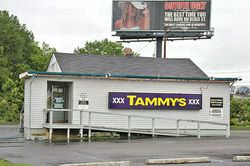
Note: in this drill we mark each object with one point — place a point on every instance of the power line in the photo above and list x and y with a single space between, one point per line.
139 50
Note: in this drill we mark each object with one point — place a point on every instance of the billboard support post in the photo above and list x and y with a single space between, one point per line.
159 47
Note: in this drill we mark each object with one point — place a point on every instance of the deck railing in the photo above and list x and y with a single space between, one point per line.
152 131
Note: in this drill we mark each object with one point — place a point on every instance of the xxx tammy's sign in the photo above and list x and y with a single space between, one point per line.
168 101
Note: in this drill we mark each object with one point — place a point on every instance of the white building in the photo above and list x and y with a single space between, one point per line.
124 94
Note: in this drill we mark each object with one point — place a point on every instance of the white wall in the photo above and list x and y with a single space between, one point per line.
98 89
53 65
98 99
38 88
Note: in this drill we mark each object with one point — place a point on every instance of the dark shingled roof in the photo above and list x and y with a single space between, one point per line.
171 67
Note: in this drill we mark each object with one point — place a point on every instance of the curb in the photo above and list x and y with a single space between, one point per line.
178 160
112 163
241 158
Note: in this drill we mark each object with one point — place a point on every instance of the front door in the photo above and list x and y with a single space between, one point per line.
59 101
59 98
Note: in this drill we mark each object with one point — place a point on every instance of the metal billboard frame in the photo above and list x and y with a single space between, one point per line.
164 35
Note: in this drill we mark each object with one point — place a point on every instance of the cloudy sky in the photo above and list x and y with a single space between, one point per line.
67 24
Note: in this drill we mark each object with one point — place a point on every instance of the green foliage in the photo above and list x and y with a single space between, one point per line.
15 42
4 122
240 112
18 53
103 47
241 127
11 104
7 163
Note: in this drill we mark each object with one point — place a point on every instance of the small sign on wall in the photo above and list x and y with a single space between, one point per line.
216 102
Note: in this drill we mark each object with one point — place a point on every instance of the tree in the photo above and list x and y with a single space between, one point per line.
12 101
242 90
102 47
16 42
19 52
39 59
239 109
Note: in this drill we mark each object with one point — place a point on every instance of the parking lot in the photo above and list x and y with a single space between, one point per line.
219 149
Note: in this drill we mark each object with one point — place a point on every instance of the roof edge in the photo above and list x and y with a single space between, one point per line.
35 73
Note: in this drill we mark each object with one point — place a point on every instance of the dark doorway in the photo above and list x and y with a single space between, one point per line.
59 97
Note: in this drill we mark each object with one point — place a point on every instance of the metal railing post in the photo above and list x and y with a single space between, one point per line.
50 133
228 130
153 127
178 127
81 118
81 129
68 134
199 129
50 117
129 126
89 134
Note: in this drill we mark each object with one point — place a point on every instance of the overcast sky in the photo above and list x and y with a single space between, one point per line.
67 24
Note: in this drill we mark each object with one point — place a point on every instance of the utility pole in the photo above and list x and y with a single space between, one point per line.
165 41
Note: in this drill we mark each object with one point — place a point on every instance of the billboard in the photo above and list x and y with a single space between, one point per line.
188 15
166 101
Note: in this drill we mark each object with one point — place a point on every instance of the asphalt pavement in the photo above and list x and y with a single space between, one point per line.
220 150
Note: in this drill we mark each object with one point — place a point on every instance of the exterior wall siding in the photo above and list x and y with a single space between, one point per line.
39 101
98 89
98 99
38 89
26 102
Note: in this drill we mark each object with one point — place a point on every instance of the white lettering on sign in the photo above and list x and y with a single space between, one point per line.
118 100
193 101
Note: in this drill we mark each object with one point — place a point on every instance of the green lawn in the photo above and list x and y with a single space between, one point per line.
240 127
4 122
7 163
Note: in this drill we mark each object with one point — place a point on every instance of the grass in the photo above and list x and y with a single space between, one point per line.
240 127
4 122
7 163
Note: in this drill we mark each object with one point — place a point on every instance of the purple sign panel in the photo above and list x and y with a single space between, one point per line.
168 101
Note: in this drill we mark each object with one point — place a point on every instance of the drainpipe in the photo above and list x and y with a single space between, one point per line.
29 135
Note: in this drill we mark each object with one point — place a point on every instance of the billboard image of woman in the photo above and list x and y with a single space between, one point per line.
134 16
154 16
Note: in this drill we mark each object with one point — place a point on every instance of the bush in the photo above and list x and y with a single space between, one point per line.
11 104
248 116
240 112
234 122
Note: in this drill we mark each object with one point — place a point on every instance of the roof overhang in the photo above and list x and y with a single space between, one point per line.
124 76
